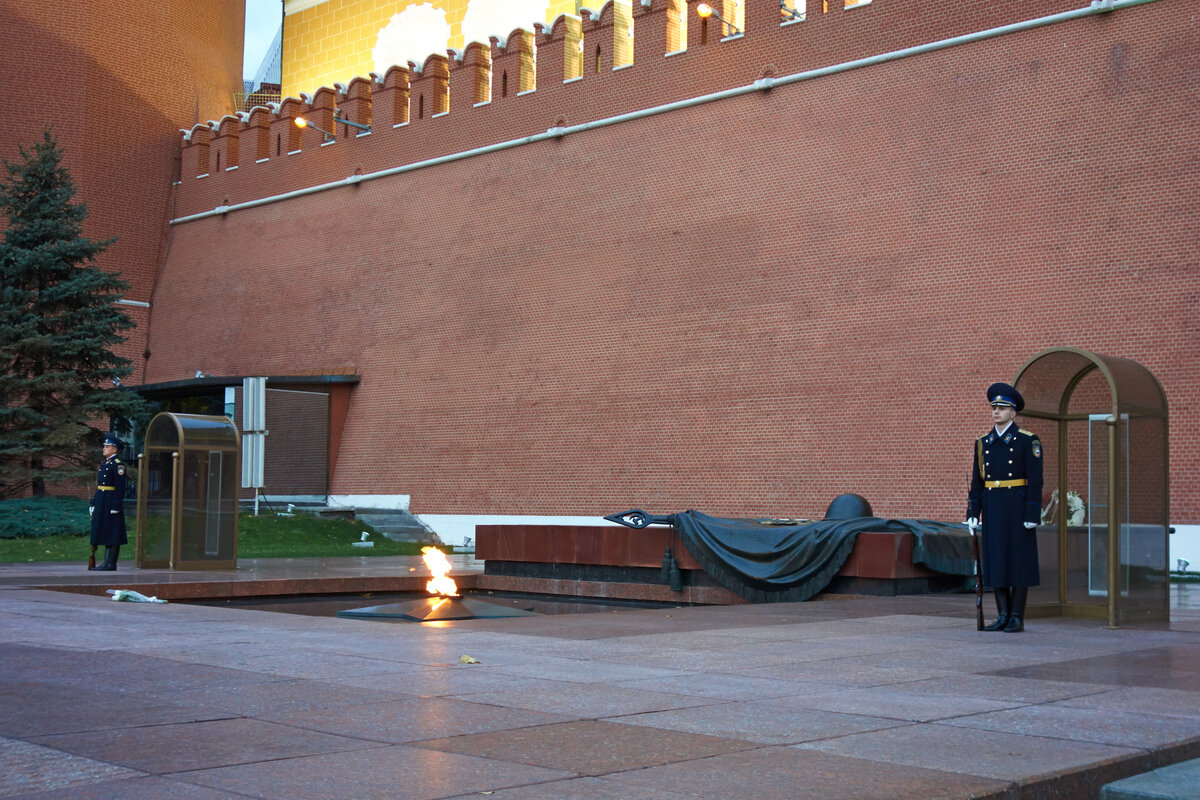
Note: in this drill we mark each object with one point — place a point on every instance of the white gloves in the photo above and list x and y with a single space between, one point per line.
91 510
973 522
1030 525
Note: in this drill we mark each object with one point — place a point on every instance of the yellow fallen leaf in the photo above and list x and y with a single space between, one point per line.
465 659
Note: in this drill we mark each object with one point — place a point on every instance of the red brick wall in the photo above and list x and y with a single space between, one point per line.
116 81
745 307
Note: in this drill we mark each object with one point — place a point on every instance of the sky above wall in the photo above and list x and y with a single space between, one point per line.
262 21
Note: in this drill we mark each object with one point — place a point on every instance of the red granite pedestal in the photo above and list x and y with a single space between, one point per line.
626 563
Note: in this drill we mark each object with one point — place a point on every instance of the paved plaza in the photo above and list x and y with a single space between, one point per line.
842 697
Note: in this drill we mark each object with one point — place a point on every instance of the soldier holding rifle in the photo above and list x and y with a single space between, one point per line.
108 505
1006 500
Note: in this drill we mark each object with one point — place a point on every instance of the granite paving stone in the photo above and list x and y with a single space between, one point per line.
27 767
580 671
991 754
585 701
33 709
447 681
413 719
765 721
149 787
590 747
785 773
583 789
284 695
1146 700
894 702
385 773
1161 667
847 673
998 687
1119 728
722 686
159 749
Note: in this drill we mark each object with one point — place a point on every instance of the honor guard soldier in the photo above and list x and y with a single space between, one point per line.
108 504
1006 497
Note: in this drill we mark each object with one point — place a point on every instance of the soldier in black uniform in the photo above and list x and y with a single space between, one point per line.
108 504
1006 496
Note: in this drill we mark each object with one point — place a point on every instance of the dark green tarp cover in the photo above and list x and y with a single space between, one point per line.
791 563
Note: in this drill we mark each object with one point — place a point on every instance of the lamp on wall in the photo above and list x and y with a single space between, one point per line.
706 11
301 122
789 13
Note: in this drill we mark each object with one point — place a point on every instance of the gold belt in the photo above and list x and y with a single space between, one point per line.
1005 484
107 488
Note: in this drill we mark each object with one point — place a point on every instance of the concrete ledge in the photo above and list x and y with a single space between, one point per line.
1176 782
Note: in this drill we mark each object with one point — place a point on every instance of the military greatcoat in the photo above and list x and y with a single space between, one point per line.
1006 492
108 504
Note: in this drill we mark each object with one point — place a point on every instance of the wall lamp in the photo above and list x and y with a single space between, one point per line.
788 12
301 122
706 11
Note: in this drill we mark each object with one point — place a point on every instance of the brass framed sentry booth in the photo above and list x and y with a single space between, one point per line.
188 480
1103 541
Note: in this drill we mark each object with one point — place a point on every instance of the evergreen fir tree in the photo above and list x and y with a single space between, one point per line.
58 325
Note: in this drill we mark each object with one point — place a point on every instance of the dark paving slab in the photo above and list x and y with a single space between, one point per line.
150 787
1164 702
590 747
584 789
1176 667
36 709
413 719
586 701
782 773
160 749
895 702
1120 728
763 721
281 696
993 687
27 767
380 774
1003 756
721 686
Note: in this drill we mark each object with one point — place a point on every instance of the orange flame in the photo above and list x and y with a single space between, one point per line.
437 563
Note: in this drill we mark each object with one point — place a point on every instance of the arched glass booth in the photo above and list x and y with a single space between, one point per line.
1102 545
188 480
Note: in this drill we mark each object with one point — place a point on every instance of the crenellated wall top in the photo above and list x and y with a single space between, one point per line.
588 67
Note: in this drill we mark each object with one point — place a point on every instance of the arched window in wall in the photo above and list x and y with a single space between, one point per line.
504 84
421 106
599 58
622 34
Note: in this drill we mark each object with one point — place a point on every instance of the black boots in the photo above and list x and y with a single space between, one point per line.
1002 607
1016 618
110 559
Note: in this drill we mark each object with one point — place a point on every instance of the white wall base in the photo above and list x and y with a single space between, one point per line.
389 501
458 530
